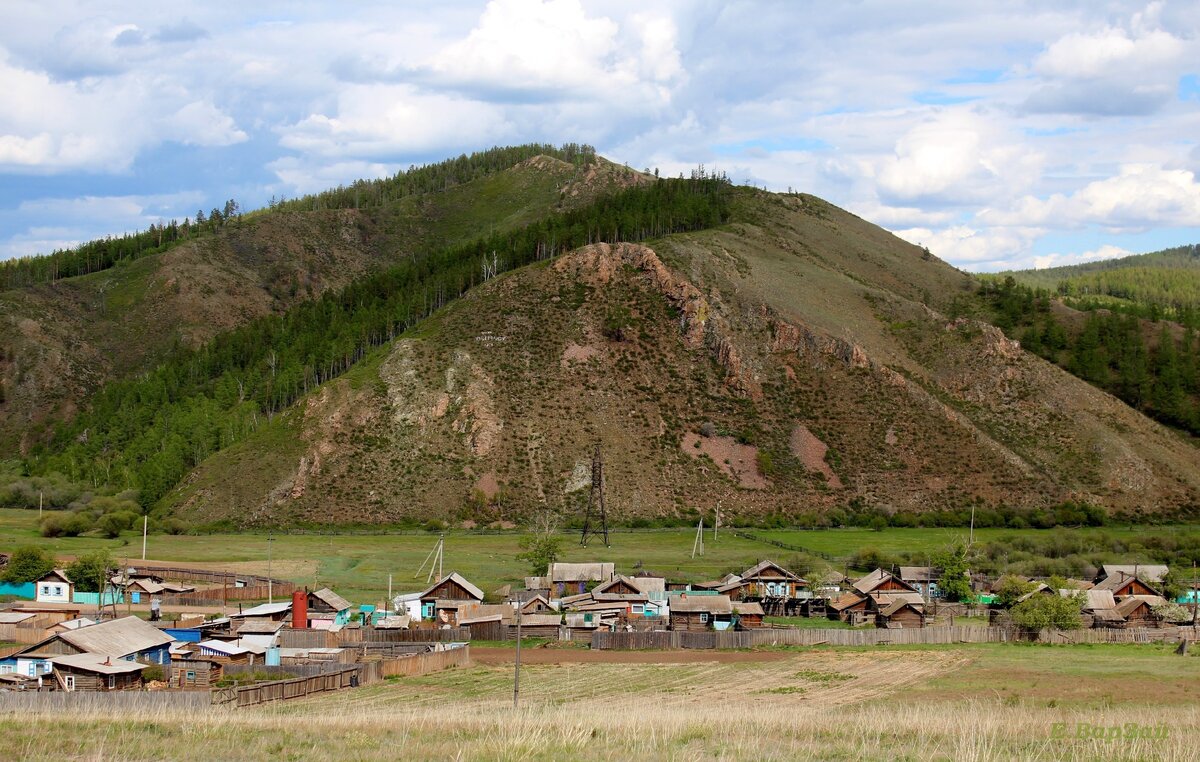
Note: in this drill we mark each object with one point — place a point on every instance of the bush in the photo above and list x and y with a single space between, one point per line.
1049 610
27 564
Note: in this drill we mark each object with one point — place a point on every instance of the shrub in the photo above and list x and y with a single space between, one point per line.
27 564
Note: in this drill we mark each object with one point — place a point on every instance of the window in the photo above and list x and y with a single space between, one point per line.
703 617
5 669
112 681
70 681
45 590
58 590
638 608
191 674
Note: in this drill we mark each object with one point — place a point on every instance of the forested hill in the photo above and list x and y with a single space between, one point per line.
1161 284
76 319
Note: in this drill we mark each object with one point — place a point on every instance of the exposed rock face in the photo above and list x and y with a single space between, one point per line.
737 461
811 451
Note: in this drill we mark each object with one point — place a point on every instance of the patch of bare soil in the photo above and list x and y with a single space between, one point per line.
574 353
811 452
737 461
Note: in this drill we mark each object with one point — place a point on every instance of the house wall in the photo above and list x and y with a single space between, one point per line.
905 617
749 621
689 621
53 591
449 591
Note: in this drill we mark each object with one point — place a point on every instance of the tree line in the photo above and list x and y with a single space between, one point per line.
147 432
1110 351
107 252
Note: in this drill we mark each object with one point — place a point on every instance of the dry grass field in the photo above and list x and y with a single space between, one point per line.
960 703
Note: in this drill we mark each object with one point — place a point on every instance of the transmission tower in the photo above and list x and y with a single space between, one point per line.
595 502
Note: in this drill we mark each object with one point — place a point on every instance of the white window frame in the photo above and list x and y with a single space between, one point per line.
704 617
69 681
112 682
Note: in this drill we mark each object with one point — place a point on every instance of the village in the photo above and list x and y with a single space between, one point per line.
247 639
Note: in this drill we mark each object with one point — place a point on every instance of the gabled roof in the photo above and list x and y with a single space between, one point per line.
1094 600
119 637
1152 573
459 580
223 647
1130 605
846 601
58 574
619 579
331 599
600 571
899 604
875 579
711 604
532 601
762 566
1119 581
104 665
887 597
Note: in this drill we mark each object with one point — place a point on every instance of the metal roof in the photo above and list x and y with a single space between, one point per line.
120 637
105 665
748 609
918 574
1147 572
266 609
75 624
13 617
259 627
761 566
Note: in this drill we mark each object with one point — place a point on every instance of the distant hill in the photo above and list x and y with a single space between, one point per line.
1159 284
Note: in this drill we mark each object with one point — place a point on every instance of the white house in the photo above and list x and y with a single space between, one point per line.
55 587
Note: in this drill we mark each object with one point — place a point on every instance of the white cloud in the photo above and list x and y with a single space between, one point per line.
300 176
979 248
1107 251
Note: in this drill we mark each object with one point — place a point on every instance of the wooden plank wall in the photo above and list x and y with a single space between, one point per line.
214 596
130 701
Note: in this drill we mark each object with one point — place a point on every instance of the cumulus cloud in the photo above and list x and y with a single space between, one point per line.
1113 70
1107 251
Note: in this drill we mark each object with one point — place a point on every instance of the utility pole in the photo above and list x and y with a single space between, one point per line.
971 540
145 527
388 607
39 505
270 580
698 543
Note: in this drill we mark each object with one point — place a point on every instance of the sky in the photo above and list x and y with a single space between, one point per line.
999 135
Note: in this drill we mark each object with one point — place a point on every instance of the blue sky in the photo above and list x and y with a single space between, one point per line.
999 135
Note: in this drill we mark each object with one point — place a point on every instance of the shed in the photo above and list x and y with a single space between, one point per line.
1137 612
226 652
536 605
195 671
274 612
93 672
901 613
748 615
697 613
619 585
54 587
327 610
537 626
849 606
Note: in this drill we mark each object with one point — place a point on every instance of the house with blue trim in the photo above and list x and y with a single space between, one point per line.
129 638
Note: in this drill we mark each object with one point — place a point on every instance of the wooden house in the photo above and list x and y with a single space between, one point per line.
128 638
195 671
567 578
327 610
901 613
1151 574
619 585
93 672
699 613
748 615
924 579
54 587
452 587
1123 586
537 626
850 607
536 605
880 581
768 579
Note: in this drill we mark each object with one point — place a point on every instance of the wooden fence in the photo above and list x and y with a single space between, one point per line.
126 702
202 575
415 665
917 636
215 596
351 636
281 690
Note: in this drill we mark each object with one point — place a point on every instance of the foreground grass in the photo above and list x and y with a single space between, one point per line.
893 704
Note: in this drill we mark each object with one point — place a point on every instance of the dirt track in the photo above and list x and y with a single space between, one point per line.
588 656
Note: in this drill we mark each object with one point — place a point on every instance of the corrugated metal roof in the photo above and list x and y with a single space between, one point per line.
265 609
872 581
97 663
257 626
75 624
120 637
762 566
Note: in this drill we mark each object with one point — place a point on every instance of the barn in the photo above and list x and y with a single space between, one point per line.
699 613
452 587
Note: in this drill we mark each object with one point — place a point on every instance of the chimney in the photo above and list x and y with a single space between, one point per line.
299 610
108 661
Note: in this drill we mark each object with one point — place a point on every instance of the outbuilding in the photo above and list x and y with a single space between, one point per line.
93 672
